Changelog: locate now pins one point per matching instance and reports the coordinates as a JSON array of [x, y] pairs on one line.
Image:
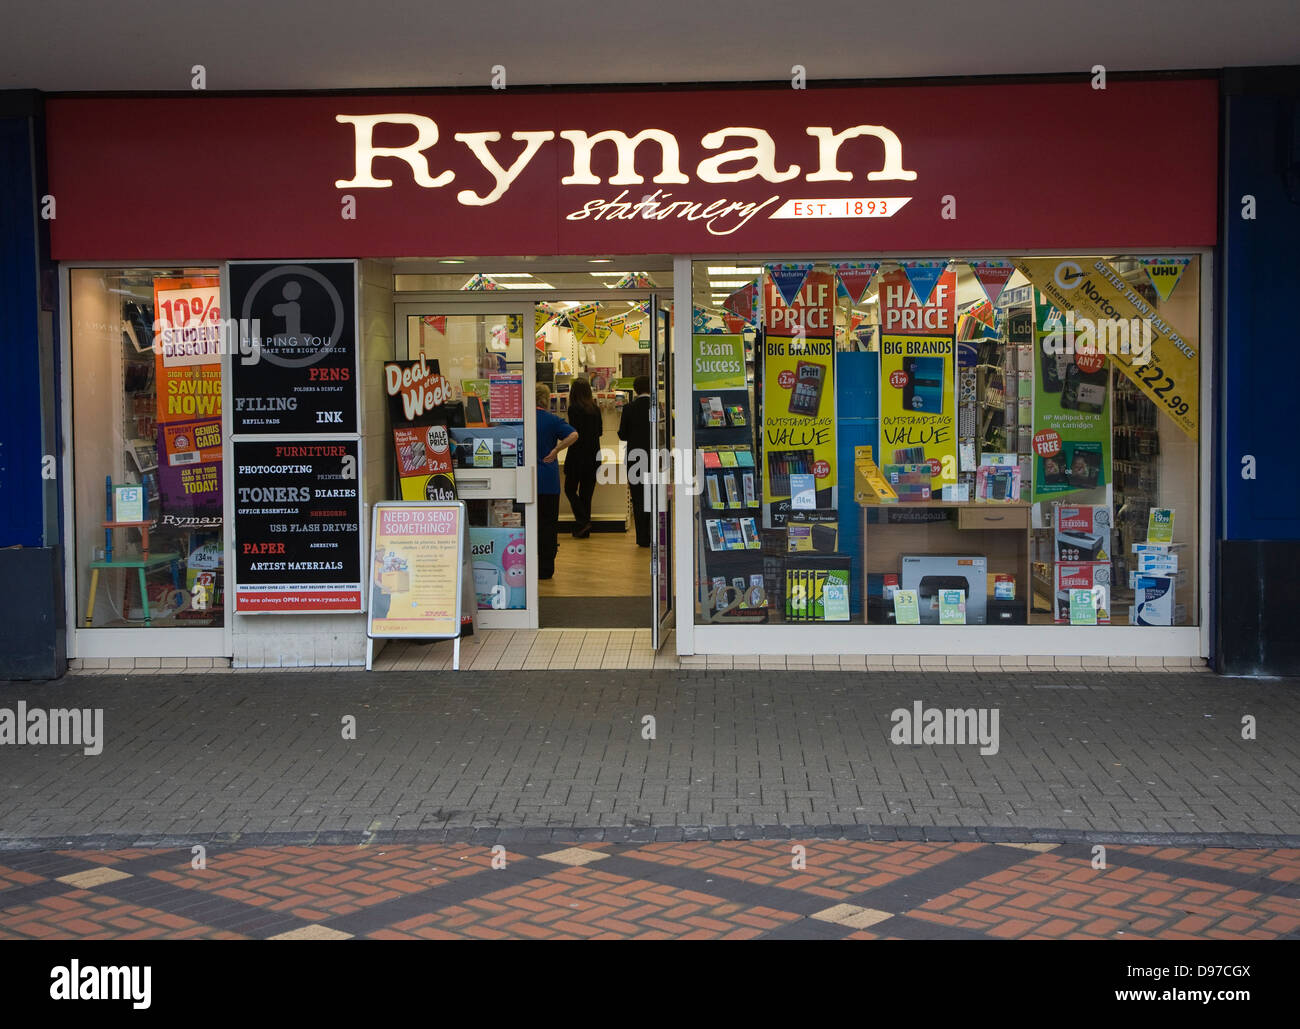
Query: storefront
[[946, 359]]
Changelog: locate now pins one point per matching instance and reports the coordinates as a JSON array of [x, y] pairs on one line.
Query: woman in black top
[[583, 458]]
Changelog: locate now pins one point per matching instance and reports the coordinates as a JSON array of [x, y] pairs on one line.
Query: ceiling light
[[735, 271], [600, 260], [450, 261], [607, 275], [715, 283]]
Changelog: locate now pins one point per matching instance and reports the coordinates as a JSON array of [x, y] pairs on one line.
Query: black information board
[[300, 375], [297, 525]]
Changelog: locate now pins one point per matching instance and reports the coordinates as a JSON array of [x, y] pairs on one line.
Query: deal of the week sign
[[1093, 289]]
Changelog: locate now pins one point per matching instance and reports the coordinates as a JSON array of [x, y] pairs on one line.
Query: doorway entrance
[[591, 350]]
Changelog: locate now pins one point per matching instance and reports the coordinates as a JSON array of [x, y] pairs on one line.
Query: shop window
[[146, 419], [897, 442]]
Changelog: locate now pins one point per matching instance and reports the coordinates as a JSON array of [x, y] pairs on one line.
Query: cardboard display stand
[[419, 574]]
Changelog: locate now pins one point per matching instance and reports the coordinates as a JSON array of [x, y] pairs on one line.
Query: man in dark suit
[[634, 430]]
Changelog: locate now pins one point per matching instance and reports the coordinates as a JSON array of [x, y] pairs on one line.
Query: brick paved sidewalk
[[244, 752], [732, 890]]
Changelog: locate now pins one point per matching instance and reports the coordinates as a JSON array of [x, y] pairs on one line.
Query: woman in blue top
[[553, 435]]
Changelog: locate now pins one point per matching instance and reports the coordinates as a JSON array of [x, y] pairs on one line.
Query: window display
[[146, 378], [974, 442]]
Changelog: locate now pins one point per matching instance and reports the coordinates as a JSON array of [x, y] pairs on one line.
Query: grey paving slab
[[264, 752]]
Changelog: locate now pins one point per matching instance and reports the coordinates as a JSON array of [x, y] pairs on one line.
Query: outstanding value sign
[[302, 375], [297, 526], [416, 570]]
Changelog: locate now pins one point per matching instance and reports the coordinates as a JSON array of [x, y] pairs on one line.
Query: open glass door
[[482, 353], [661, 522]]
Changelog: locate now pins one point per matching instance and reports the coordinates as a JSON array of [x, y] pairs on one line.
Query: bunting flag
[[735, 325], [923, 275], [437, 322], [701, 322], [632, 330], [634, 280], [541, 319], [481, 281], [855, 278], [616, 326], [743, 302], [1164, 273], [583, 322], [993, 276], [603, 332], [788, 278]]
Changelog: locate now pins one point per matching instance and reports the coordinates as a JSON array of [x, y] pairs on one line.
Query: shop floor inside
[[601, 581]]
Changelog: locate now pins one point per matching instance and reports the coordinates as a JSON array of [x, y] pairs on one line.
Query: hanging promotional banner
[[923, 275], [424, 466], [717, 362], [700, 321], [1164, 273], [603, 332], [1112, 319], [416, 567], [1072, 440], [799, 397], [993, 277], [855, 278], [437, 322], [902, 310], [918, 411], [733, 325], [297, 532], [788, 278], [187, 378]]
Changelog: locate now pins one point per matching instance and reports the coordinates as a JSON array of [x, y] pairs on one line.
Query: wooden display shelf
[[1005, 545]]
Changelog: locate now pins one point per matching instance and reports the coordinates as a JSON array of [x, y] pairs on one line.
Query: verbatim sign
[[837, 170]]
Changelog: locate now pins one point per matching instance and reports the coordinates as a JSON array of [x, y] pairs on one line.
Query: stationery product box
[[1153, 600], [1178, 578], [927, 574], [1081, 575], [1081, 533]]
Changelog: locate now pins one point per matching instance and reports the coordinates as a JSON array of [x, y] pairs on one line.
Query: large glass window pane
[[146, 417]]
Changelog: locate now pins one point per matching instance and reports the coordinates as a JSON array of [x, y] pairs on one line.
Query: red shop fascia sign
[[929, 169]]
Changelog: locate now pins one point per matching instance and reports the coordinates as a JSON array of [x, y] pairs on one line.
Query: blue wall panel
[[20, 377], [1260, 379]]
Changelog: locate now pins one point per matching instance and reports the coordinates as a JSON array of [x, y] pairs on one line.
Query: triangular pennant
[[603, 332], [632, 331], [923, 275], [993, 276], [481, 281], [855, 278], [583, 325], [788, 278], [741, 302], [1164, 273], [735, 325], [437, 322], [541, 319]]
